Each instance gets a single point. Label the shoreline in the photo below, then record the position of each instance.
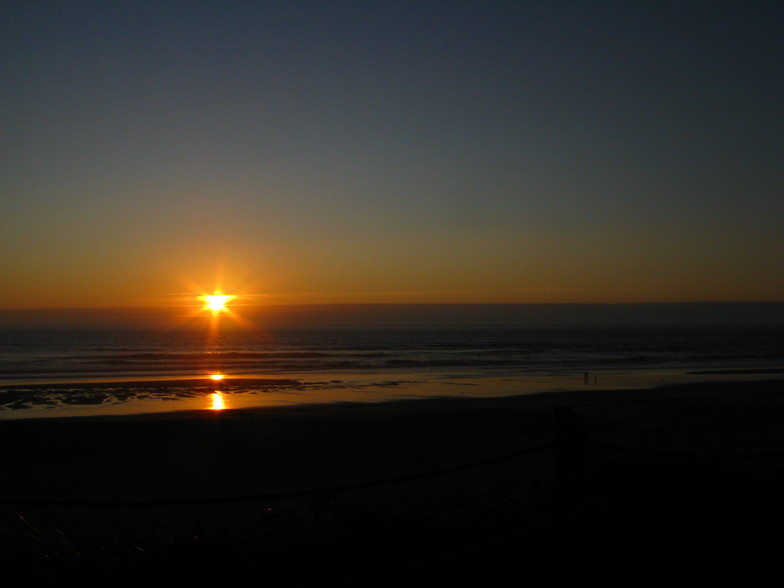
(742, 389)
(180, 397)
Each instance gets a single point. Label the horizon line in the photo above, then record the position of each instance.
(336, 304)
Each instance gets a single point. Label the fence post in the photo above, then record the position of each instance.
(570, 463)
(570, 500)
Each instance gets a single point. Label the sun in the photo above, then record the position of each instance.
(216, 302)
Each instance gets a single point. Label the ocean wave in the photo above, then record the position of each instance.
(68, 353)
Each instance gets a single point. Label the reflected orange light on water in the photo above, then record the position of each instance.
(217, 402)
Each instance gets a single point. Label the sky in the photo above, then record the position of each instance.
(401, 152)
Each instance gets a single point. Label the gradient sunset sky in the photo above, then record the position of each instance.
(320, 152)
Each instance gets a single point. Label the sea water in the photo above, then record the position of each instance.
(56, 371)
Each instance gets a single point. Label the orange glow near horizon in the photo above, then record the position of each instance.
(216, 377)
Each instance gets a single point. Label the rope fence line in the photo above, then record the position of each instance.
(298, 493)
(563, 441)
(66, 502)
(686, 454)
(602, 517)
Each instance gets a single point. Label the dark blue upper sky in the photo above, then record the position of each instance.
(392, 151)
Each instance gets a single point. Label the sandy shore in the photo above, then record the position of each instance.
(629, 452)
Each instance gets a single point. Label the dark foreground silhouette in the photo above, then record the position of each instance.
(679, 486)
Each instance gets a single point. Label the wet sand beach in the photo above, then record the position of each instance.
(564, 488)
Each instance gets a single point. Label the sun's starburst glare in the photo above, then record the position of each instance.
(214, 308)
(216, 302)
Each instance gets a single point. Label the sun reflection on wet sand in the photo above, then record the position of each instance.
(217, 401)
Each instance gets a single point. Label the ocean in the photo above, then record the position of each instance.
(66, 372)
